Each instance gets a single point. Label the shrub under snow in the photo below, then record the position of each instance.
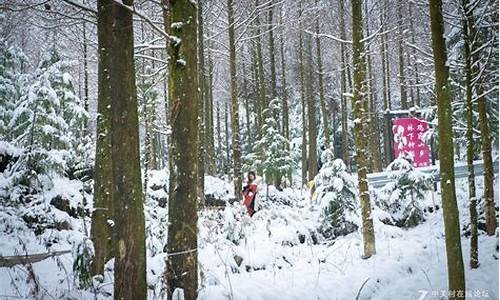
(402, 196)
(335, 192)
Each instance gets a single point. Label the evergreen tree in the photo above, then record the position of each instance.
(11, 83)
(271, 156)
(336, 197)
(47, 122)
(401, 197)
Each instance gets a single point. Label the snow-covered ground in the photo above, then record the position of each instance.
(275, 255)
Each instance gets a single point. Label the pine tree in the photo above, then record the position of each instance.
(401, 197)
(11, 83)
(72, 108)
(336, 197)
(456, 279)
(271, 156)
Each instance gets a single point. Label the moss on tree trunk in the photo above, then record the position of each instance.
(182, 257)
(360, 124)
(470, 141)
(100, 231)
(128, 199)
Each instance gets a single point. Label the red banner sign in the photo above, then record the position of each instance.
(408, 140)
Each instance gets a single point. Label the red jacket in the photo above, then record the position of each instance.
(248, 193)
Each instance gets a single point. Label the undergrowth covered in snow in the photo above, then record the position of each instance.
(280, 253)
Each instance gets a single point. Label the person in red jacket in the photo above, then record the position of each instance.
(249, 192)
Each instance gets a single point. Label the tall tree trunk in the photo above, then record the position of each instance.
(491, 220)
(202, 134)
(374, 138)
(359, 113)
(489, 203)
(385, 97)
(304, 165)
(85, 69)
(248, 112)
(284, 94)
(128, 198)
(322, 102)
(343, 97)
(456, 279)
(258, 101)
(474, 263)
(260, 68)
(100, 231)
(182, 256)
(272, 57)
(209, 107)
(401, 75)
(311, 113)
(227, 163)
(235, 115)
(220, 159)
(387, 59)
(414, 54)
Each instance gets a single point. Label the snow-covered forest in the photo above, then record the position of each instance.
(249, 149)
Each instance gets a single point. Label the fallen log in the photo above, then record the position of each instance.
(10, 261)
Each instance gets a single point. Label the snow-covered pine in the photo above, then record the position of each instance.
(271, 156)
(11, 82)
(47, 123)
(402, 196)
(336, 197)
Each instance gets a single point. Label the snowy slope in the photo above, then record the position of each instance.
(276, 255)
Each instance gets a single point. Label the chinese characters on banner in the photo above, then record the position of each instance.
(408, 140)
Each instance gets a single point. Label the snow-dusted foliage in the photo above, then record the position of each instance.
(402, 196)
(271, 156)
(48, 124)
(233, 216)
(149, 100)
(156, 212)
(336, 197)
(11, 82)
